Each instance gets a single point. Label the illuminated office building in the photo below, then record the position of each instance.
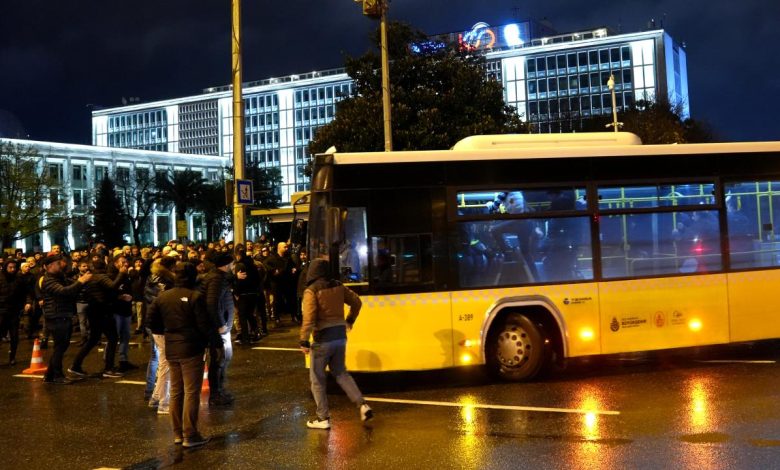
(553, 80)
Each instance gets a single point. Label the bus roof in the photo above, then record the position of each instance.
(510, 147)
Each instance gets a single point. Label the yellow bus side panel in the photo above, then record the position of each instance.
(577, 303)
(753, 298)
(402, 332)
(670, 312)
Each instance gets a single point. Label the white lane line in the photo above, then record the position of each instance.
(494, 407)
(266, 348)
(28, 376)
(131, 382)
(737, 361)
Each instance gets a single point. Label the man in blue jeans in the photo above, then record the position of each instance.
(323, 316)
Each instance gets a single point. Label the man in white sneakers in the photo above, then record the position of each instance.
(323, 316)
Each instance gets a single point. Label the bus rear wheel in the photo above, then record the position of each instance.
(518, 349)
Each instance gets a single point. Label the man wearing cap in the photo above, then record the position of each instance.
(59, 306)
(219, 305)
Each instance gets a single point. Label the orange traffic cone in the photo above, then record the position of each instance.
(205, 388)
(36, 363)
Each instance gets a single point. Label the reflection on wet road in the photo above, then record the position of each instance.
(705, 408)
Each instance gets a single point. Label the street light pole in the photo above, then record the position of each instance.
(378, 9)
(385, 79)
(611, 84)
(239, 223)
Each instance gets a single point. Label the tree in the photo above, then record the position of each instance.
(656, 122)
(440, 94)
(182, 189)
(268, 185)
(215, 210)
(30, 198)
(109, 218)
(138, 193)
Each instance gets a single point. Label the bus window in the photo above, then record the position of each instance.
(751, 210)
(662, 195)
(353, 252)
(508, 250)
(401, 260)
(647, 244)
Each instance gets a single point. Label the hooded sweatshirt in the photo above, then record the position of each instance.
(323, 306)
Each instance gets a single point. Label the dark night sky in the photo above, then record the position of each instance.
(59, 57)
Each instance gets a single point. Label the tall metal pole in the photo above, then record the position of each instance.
(239, 223)
(611, 85)
(385, 79)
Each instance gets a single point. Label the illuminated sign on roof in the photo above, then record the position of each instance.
(482, 36)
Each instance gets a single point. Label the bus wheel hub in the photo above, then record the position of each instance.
(513, 346)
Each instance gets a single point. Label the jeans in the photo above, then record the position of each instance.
(123, 329)
(138, 310)
(162, 387)
(81, 312)
(9, 324)
(100, 324)
(60, 329)
(219, 360)
(246, 316)
(151, 369)
(331, 354)
(186, 380)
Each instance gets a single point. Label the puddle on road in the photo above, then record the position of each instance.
(706, 438)
(615, 441)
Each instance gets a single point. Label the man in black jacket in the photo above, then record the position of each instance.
(179, 313)
(101, 295)
(246, 291)
(12, 296)
(59, 306)
(219, 305)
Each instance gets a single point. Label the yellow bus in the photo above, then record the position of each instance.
(520, 251)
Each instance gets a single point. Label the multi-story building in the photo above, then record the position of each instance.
(553, 80)
(79, 169)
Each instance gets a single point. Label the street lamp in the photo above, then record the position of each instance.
(614, 124)
(239, 222)
(378, 9)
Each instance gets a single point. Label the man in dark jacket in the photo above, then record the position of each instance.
(123, 313)
(179, 314)
(219, 305)
(323, 318)
(101, 295)
(59, 307)
(12, 297)
(247, 291)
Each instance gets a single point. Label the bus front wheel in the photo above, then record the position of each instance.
(518, 348)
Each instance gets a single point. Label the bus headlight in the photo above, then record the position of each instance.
(586, 334)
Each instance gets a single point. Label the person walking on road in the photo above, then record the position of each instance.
(219, 305)
(59, 307)
(180, 315)
(323, 316)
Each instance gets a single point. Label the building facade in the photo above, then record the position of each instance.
(552, 80)
(79, 169)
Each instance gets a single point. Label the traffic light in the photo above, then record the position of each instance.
(372, 8)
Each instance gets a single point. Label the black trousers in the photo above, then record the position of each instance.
(9, 324)
(216, 371)
(246, 316)
(60, 329)
(100, 323)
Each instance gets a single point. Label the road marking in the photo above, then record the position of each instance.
(266, 348)
(28, 376)
(131, 382)
(737, 361)
(494, 407)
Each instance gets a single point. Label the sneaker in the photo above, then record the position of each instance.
(125, 366)
(78, 372)
(163, 411)
(318, 423)
(220, 401)
(366, 413)
(177, 440)
(194, 441)
(153, 403)
(255, 339)
(112, 374)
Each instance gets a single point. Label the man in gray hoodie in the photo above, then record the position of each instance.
(323, 316)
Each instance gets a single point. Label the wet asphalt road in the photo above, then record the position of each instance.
(679, 409)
